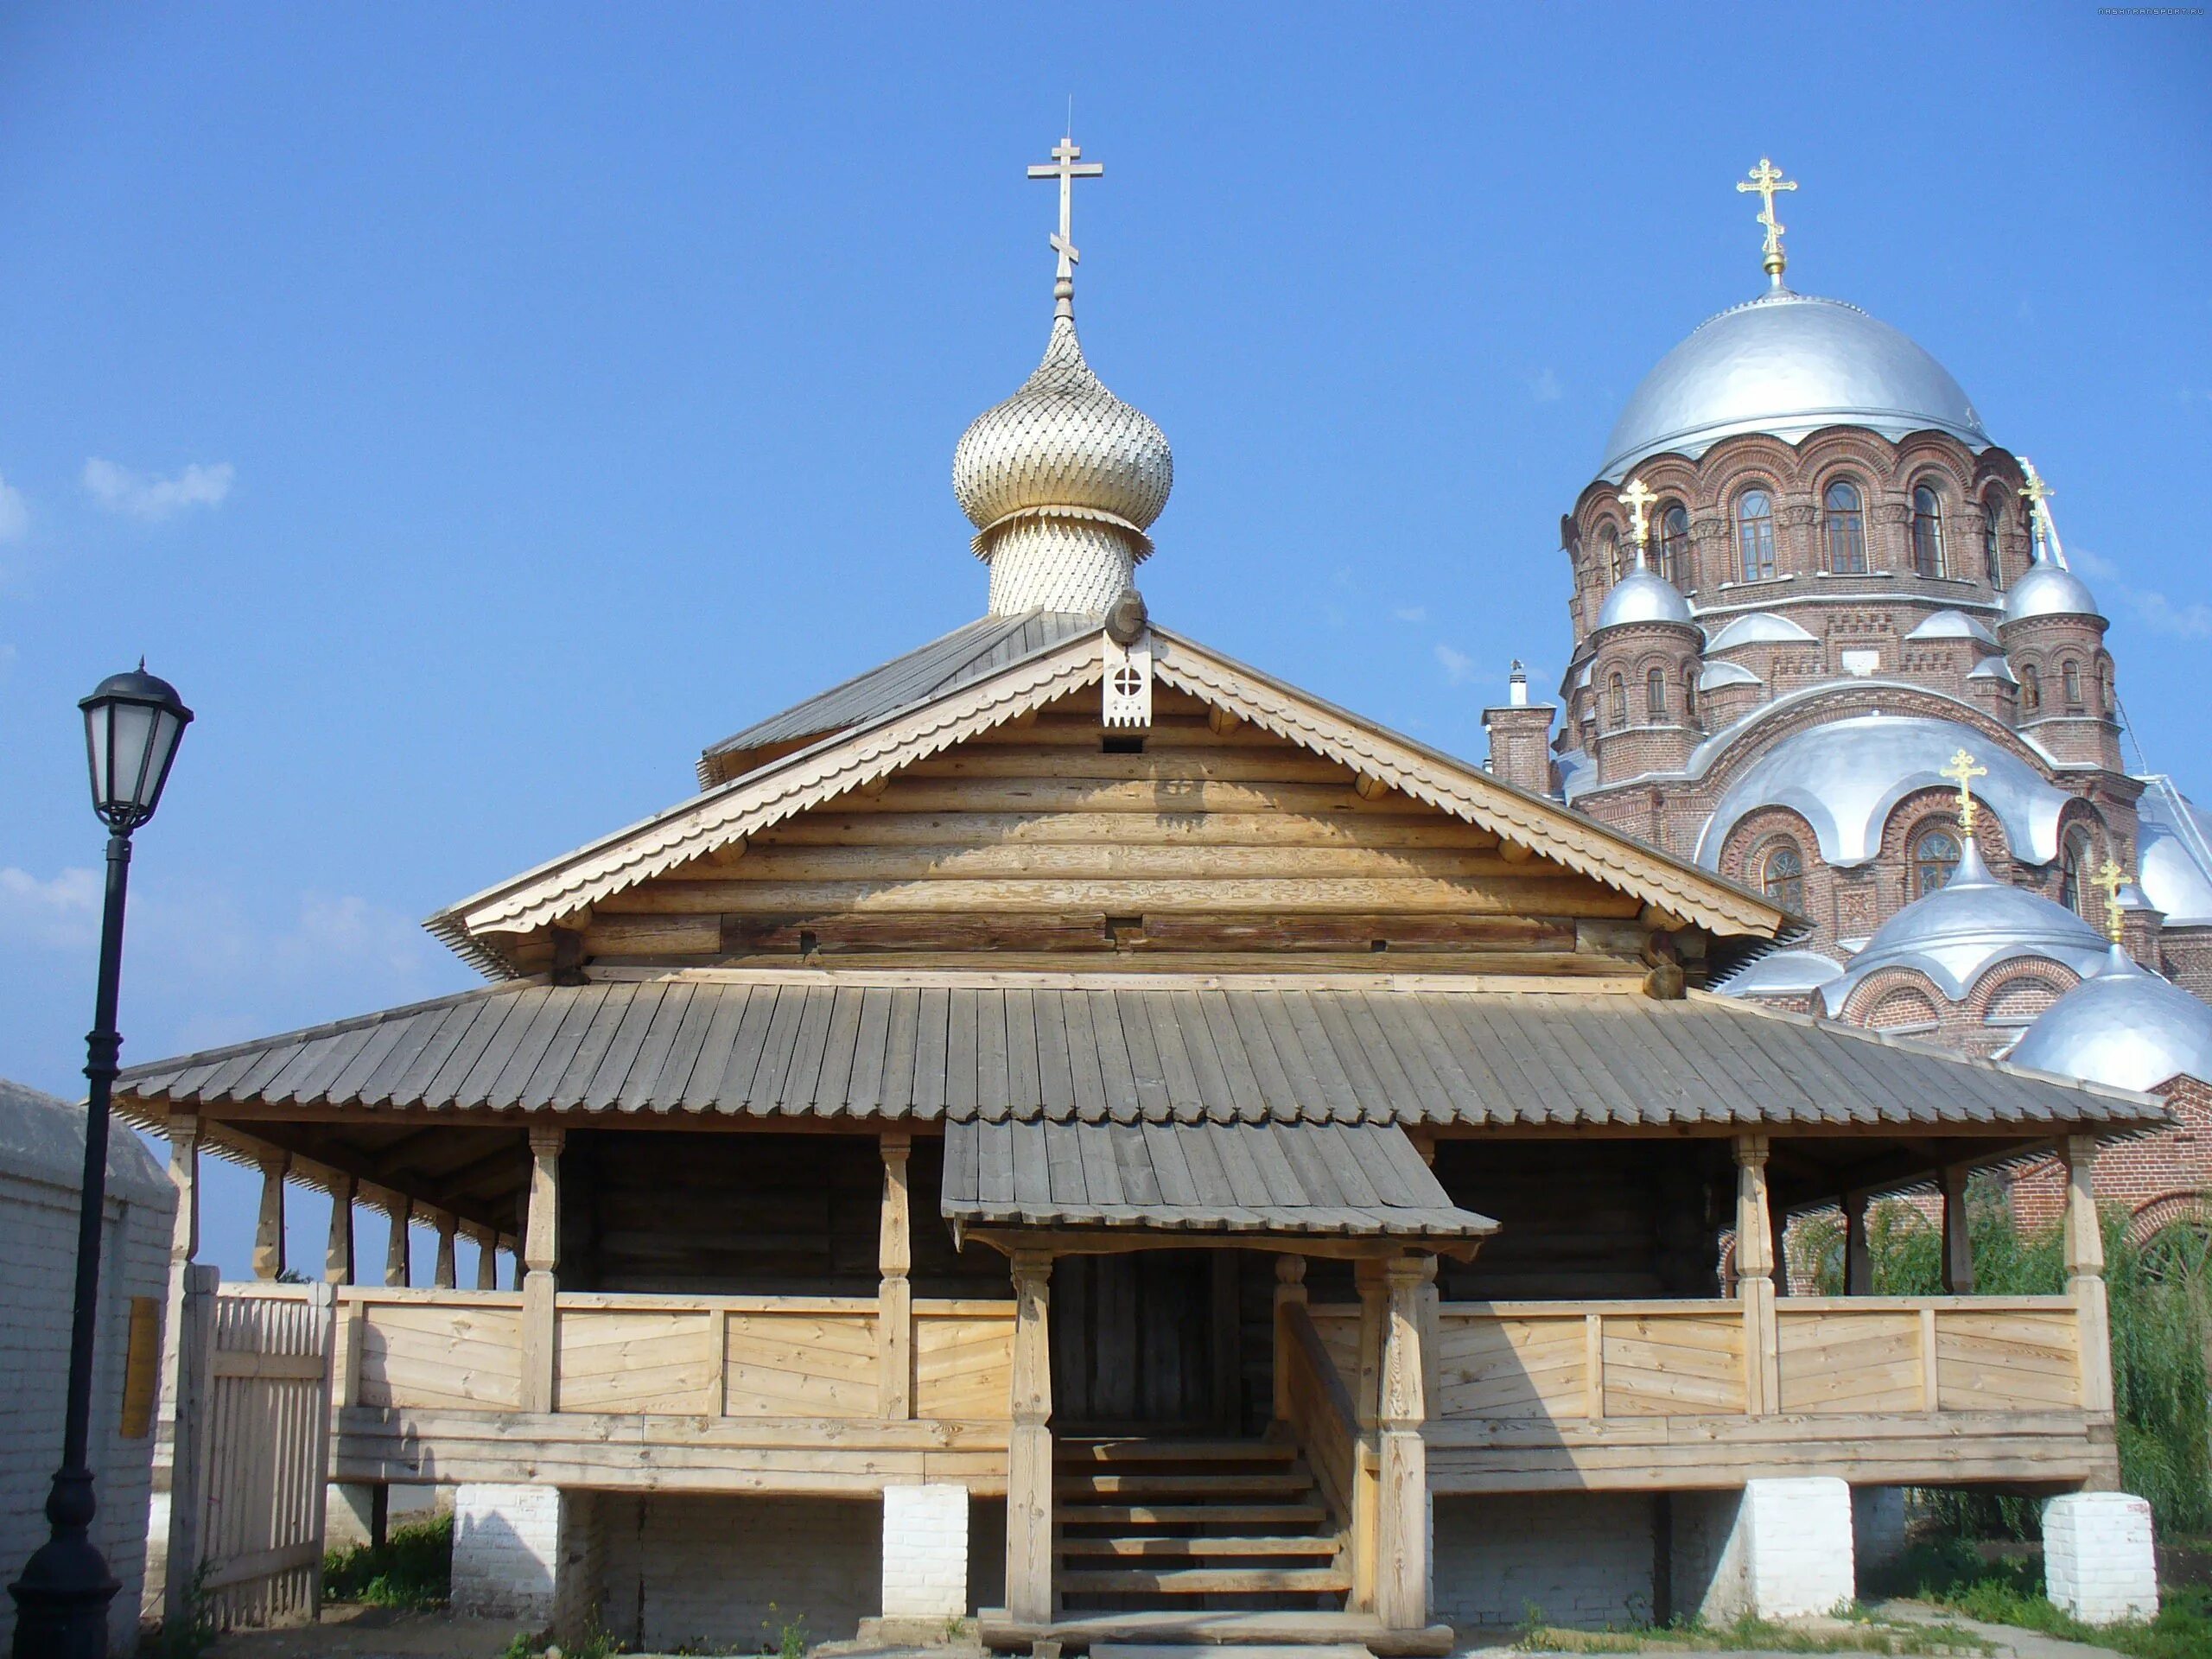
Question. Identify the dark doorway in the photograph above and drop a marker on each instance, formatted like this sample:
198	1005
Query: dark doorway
1144	1342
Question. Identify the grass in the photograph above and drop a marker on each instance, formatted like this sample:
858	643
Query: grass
1954	1575
413	1568
1856	1634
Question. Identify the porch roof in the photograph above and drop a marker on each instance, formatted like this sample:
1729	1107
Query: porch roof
1309	1180
1120	1047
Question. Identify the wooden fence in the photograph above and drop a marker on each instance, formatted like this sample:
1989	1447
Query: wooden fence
252	1450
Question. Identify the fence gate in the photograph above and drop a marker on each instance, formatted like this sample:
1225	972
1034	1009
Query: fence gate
252	1450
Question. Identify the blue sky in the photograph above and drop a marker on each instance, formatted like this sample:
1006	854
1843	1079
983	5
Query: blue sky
476	411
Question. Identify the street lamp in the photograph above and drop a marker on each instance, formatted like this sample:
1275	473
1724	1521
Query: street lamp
133	724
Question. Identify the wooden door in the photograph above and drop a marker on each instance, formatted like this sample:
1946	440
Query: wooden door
1134	1349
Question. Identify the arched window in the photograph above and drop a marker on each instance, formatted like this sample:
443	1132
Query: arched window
1608	554
2030	688
1992	533
2109	703
1655	696
1755	536
2069	678
1935	861
1843	529
1618	700
1781	875
1675	544
2076	891
1689	697
1927	531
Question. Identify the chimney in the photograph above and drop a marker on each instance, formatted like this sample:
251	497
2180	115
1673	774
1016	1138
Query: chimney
1520	737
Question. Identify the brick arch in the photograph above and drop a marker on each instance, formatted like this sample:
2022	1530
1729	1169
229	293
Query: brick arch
1744	858
2189	1209
1887	989
1933	452
2015	993
1902	1004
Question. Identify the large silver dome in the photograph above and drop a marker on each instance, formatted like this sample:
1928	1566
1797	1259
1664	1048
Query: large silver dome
2048	590
1643	595
2127	1027
2174	853
1788	364
1962	930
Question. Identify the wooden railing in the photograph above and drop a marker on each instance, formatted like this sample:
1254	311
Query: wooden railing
1322	1417
1596	1361
719	1357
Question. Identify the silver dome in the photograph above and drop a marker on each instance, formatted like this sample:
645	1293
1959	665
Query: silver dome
1714	676
2173	854
1953	624
1643	596
1758	628
2126	1026
2048	590
1843	777
1961	930
1781	973
1788	364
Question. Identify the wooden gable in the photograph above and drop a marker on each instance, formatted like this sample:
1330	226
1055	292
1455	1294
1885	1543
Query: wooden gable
1048	841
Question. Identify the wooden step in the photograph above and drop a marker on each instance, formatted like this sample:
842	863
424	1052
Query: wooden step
1205	1580
1171	1547
1183	1514
1258	1484
1144	1450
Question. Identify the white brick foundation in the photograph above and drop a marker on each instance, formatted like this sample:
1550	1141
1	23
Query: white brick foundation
506	1548
2097	1559
1783	1550
1581	1559
925	1552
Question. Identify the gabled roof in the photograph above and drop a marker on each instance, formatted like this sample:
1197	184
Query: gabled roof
947	662
725	815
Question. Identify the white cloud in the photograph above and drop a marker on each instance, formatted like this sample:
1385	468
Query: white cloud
2188	621
1411	613
15	513
59	912
1544	386
151	498
1458	667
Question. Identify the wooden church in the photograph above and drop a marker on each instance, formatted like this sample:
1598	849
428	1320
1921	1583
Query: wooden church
1068	1130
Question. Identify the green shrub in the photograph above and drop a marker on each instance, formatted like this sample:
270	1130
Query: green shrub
412	1568
1954	1574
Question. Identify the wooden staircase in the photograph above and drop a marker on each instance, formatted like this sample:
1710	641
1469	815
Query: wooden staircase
1212	1525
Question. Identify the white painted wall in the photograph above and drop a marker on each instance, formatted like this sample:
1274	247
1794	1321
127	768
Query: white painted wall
41	1164
925	1552
2098	1561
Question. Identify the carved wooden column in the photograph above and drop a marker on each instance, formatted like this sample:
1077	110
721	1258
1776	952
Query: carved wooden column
399	1262
487	1260
1371	1278
2085	1270
1402	1540
894	1317
540	1257
1290	1291
184	1244
338	1254
1958	1243
448	1224
1858	1258
1029	1449
268	1229
1755	1275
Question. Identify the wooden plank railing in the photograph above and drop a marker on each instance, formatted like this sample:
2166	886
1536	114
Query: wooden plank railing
1597	1361
728	1356
1322	1417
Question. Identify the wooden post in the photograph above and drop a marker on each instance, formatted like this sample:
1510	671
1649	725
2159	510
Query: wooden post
193	1395
323	1300
487	1260
448	1224
1290	1290
184	1244
2085	1270
1858	1258
1029	1448
541	1255
337	1255
1401	1564
1779	1219
1370	1278
1958	1244
1755	1275
894	1252
268	1229
398	1259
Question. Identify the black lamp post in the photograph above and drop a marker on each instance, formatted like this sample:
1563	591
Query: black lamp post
132	727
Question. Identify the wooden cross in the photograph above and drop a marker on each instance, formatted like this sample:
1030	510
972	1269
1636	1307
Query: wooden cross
2111	879
1766	179
1962	772
1637	499
1067	167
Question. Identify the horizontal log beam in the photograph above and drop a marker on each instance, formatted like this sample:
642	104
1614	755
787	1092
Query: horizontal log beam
1130	896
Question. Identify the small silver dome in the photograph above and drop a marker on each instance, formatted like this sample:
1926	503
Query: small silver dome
2126	1026
1714	676
1953	624
1781	973
2174	853
1961	930
2048	590
1758	628
1788	364
1643	596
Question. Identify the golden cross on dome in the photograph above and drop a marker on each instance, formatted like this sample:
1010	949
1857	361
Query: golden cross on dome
1067	166
2111	879
1638	498
1766	179
1962	772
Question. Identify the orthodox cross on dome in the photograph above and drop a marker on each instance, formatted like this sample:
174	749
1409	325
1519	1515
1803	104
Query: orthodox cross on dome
1963	771
1766	179
1067	166
2111	879
1638	498
2038	492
